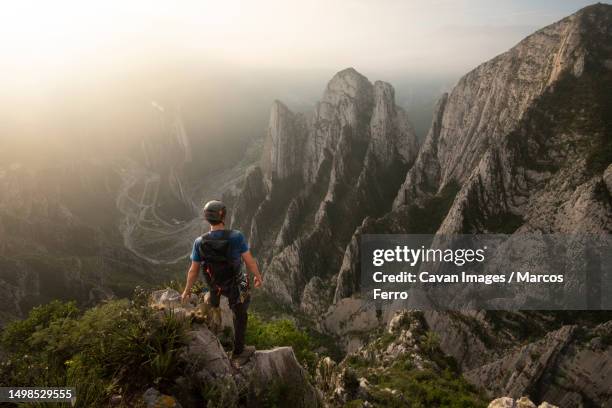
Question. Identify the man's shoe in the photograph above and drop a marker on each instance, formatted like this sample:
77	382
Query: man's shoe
242	358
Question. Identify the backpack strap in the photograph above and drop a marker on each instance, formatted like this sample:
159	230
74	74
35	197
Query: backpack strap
207	236
202	239
225	236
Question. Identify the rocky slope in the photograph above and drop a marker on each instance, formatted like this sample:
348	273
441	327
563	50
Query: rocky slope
57	238
566	366
521	144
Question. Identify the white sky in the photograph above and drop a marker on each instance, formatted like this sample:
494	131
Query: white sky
40	39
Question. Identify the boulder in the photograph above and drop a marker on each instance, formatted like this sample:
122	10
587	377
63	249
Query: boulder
166	298
523	402
504	402
278	371
205	355
155	399
169	300
547	405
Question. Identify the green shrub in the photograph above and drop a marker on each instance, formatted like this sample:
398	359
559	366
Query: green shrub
221	393
92	388
276	395
425	388
282	332
117	342
15	335
430	341
357	403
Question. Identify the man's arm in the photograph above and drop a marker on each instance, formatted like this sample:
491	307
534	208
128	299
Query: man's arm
251	265
192	276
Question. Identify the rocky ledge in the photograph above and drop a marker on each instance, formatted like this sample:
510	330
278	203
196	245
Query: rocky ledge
269	375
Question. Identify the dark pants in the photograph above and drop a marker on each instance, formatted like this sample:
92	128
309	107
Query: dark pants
239	309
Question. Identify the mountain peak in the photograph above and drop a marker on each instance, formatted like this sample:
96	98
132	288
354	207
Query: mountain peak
597	7
347	82
350	71
279	108
349	75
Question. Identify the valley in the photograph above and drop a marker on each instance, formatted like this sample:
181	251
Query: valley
150	235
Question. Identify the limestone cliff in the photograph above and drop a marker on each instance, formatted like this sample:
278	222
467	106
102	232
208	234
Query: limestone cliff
525	135
323	173
521	144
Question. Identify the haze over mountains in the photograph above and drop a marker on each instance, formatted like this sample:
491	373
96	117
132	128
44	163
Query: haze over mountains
129	159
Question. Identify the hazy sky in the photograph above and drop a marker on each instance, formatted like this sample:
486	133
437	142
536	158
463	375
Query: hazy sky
39	39
88	69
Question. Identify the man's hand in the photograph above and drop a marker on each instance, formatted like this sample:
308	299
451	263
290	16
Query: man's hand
192	276
251	265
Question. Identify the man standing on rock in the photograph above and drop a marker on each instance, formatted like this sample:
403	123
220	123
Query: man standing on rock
219	253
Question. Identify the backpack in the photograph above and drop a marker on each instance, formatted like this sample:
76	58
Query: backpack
219	268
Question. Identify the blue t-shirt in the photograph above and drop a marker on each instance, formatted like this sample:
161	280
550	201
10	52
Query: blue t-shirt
237	243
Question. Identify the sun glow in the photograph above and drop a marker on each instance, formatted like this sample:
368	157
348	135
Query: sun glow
41	38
